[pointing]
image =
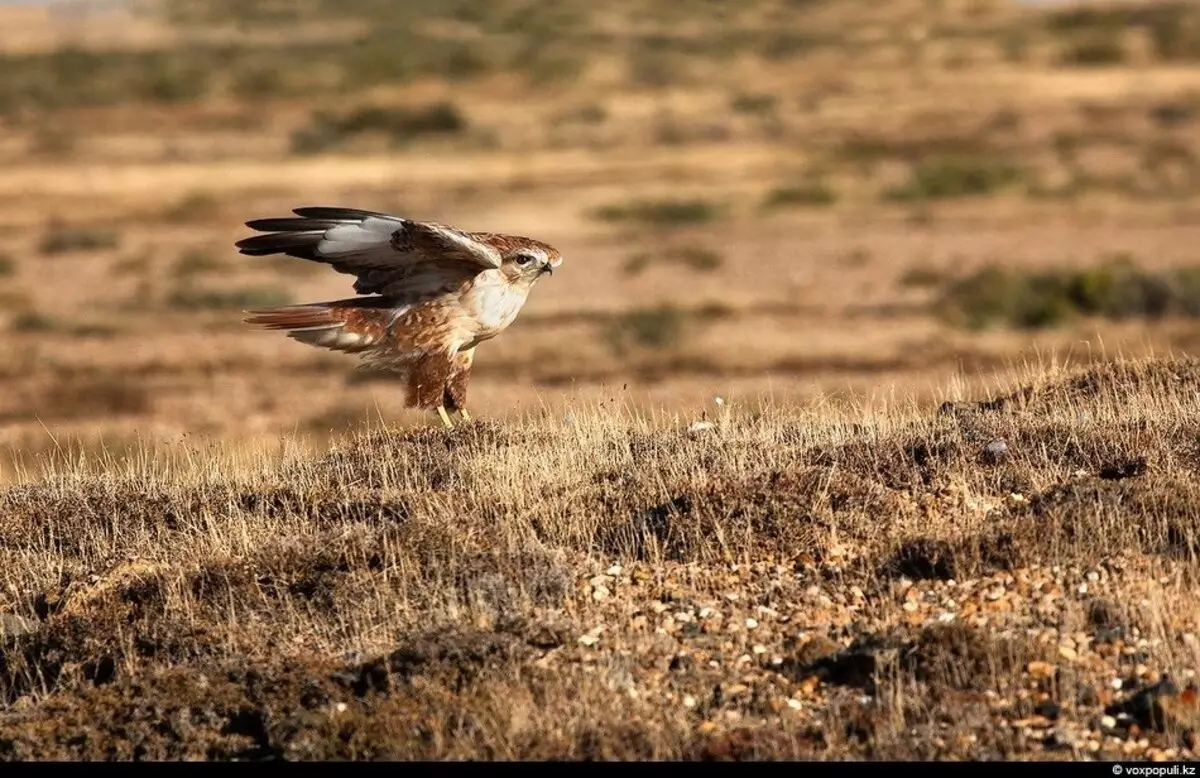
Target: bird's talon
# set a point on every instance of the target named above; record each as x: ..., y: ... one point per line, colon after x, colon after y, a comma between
x: 445, y: 418
x: 462, y: 413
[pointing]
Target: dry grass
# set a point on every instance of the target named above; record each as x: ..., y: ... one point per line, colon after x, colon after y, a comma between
x: 212, y: 546
x: 832, y: 583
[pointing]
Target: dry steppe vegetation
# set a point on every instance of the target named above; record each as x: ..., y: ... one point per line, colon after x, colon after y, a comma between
x: 783, y: 463
x: 1010, y: 578
x: 776, y: 197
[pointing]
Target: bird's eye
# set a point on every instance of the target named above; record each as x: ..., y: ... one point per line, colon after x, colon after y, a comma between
x: 523, y: 259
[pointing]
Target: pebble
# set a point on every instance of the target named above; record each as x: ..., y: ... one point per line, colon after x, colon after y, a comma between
x: 689, y: 701
x: 751, y: 623
x: 614, y: 571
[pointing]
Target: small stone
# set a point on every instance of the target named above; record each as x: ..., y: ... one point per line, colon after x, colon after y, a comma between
x: 614, y: 571
x: 340, y: 707
x: 759, y: 649
x: 995, y: 451
x: 600, y: 593
x: 589, y: 640
x: 794, y: 704
x: 1067, y: 653
x: 751, y: 623
x: 689, y: 701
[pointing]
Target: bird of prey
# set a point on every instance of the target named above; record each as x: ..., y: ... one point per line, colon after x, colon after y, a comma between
x: 430, y: 293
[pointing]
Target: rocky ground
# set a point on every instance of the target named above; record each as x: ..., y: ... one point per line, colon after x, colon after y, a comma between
x: 1013, y: 578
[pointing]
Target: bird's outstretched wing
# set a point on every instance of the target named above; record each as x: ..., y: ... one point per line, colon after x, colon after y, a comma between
x: 390, y: 255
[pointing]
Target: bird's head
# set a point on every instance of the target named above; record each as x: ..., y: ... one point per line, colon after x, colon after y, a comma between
x: 527, y: 260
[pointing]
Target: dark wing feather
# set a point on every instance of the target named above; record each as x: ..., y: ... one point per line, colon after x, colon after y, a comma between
x: 389, y: 255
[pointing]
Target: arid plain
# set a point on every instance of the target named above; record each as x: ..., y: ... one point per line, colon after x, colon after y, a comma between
x: 892, y: 237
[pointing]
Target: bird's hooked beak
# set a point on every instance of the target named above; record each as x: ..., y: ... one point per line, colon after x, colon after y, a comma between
x: 547, y: 269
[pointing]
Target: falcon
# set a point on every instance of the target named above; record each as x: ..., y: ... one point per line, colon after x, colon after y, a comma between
x: 429, y: 293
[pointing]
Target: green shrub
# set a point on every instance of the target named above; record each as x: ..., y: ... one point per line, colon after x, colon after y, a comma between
x: 1117, y: 289
x: 61, y: 238
x: 658, y: 328
x: 753, y: 103
x: 955, y: 176
x: 662, y: 213
x: 694, y: 257
x: 34, y: 321
x: 814, y: 192
x: 397, y: 123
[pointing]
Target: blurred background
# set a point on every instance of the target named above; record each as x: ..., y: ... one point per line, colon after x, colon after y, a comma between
x: 783, y: 199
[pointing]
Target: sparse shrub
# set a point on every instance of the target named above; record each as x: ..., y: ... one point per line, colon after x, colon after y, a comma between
x: 400, y: 124
x: 650, y: 67
x: 857, y: 258
x: 699, y: 258
x: 753, y: 103
x: 637, y: 263
x: 34, y: 321
x: 955, y: 176
x: 195, y: 261
x: 1117, y: 289
x: 194, y: 206
x: 787, y: 44
x: 1174, y: 114
x: 922, y: 276
x: 694, y: 257
x: 815, y: 192
x: 61, y: 238
x: 135, y: 265
x: 95, y: 397
x: 659, y: 327
x: 661, y: 213
x: 258, y: 82
x: 591, y: 113
x: 1095, y: 50
x: 220, y: 299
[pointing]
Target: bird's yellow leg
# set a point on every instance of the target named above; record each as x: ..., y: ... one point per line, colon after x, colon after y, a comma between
x: 445, y: 417
x: 462, y: 414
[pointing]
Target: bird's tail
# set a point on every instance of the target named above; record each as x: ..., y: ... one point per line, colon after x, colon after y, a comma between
x: 342, y: 325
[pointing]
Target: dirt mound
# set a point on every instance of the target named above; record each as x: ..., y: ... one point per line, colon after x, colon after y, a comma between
x: 1118, y: 381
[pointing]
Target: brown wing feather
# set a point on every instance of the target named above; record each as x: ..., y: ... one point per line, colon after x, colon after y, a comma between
x: 344, y: 325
